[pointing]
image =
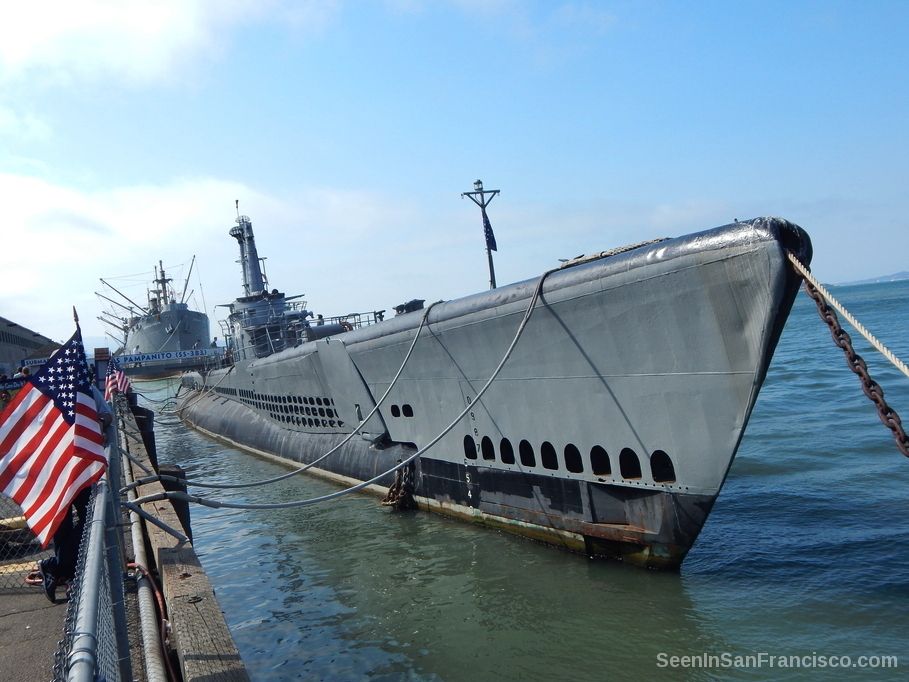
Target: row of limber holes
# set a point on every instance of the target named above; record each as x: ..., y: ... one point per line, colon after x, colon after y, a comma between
x: 661, y: 465
x: 629, y: 464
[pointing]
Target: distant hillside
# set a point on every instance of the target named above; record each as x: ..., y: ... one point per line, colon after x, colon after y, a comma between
x: 895, y: 277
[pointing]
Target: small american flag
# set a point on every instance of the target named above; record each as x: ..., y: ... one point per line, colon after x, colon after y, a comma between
x: 50, y: 440
x: 487, y: 230
x: 116, y: 380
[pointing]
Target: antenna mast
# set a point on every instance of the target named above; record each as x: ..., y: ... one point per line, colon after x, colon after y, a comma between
x: 478, y: 196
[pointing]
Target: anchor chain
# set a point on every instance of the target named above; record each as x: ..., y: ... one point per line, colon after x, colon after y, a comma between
x: 871, y: 388
x: 400, y: 493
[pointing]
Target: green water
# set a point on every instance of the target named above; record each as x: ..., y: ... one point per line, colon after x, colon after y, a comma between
x: 806, y: 554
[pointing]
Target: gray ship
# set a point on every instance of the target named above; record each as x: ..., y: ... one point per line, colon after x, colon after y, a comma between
x: 163, y: 338
x: 597, y: 407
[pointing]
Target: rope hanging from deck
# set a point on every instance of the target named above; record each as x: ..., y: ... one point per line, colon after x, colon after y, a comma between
x: 176, y: 495
x: 319, y: 459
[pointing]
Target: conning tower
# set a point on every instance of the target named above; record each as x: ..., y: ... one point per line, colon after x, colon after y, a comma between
x: 263, y: 322
x: 253, y: 282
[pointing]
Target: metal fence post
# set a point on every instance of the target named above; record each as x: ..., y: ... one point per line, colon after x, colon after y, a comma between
x: 116, y: 557
x: 83, y: 656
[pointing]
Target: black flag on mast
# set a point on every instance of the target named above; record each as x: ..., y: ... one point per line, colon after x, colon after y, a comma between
x: 490, y: 237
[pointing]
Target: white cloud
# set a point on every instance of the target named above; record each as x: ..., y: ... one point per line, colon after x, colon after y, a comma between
x: 132, y: 41
x: 61, y: 240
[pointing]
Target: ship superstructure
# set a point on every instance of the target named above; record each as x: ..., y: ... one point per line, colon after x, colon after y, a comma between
x: 165, y: 336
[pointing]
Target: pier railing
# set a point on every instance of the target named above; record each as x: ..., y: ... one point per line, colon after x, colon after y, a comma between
x: 94, y: 644
x: 276, y: 334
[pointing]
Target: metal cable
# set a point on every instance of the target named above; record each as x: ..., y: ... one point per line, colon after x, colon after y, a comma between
x: 881, y: 348
x: 359, y: 426
x: 148, y: 618
x: 355, y: 488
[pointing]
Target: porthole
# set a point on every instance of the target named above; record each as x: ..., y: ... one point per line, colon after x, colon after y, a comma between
x: 573, y: 459
x: 629, y: 464
x: 525, y: 450
x: 506, y: 452
x: 548, y: 456
x: 599, y: 462
x: 470, y: 447
x: 661, y: 467
x: 487, y: 449
x: 406, y: 410
x: 395, y: 411
x: 318, y: 401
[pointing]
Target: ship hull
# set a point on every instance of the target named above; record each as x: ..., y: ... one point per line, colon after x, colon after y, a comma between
x: 609, y: 430
x: 174, y: 330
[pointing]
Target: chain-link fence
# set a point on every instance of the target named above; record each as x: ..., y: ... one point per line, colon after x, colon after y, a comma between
x: 92, y: 646
x: 20, y: 550
x: 94, y: 642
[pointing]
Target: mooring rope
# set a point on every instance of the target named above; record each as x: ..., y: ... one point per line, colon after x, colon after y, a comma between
x: 355, y: 431
x: 854, y: 361
x: 881, y: 348
x: 206, y: 391
x: 400, y: 465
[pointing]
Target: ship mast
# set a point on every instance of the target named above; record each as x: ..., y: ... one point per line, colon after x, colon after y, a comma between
x: 249, y: 257
x: 125, y: 297
x: 162, y: 282
x: 186, y: 284
x: 478, y: 196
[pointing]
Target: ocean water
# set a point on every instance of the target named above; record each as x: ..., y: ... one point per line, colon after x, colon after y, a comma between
x: 804, y: 560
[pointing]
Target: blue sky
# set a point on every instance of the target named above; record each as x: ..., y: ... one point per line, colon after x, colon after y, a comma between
x: 348, y: 129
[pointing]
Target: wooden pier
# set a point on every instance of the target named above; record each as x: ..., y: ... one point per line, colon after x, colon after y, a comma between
x: 199, y: 633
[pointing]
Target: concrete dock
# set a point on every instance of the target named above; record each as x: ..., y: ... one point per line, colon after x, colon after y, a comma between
x: 30, y: 629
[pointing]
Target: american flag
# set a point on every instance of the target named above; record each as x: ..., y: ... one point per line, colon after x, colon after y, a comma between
x: 116, y: 379
x: 50, y: 440
x: 487, y: 230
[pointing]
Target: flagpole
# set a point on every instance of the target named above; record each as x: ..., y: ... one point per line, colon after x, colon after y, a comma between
x: 483, y: 202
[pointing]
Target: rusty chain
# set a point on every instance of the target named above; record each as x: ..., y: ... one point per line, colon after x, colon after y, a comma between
x: 400, y: 493
x: 872, y: 389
